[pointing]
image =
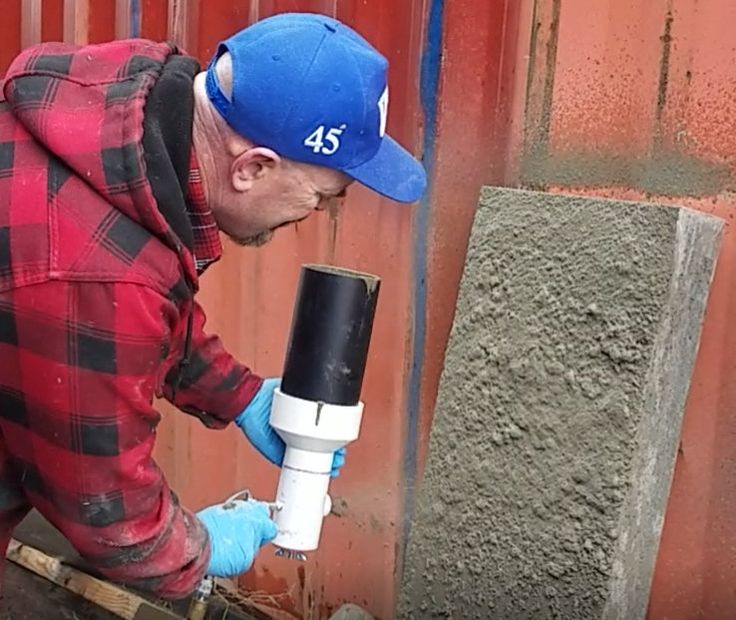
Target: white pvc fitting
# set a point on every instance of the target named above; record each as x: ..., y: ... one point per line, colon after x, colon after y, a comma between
x: 312, y: 432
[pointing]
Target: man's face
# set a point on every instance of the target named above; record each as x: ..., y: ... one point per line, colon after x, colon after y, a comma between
x: 280, y: 194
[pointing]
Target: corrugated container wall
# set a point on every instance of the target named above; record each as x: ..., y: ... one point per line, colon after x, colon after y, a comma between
x: 607, y: 97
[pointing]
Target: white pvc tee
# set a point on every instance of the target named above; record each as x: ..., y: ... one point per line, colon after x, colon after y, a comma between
x: 312, y: 432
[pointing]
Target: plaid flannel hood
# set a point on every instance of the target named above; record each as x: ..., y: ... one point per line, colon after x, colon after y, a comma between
x: 87, y: 109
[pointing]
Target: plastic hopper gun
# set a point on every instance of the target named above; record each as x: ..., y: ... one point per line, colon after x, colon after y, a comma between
x: 317, y: 409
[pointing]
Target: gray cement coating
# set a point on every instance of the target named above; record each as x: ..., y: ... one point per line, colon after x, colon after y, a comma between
x: 560, y: 406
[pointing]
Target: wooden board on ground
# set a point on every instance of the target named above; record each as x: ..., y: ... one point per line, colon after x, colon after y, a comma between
x: 108, y: 596
x: 30, y: 597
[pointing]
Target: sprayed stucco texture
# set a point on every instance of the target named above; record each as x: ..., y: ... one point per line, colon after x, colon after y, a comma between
x: 560, y: 406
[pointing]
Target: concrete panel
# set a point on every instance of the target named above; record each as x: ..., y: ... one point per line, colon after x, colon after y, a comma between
x: 560, y: 407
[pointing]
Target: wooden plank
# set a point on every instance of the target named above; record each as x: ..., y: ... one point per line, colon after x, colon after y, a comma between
x: 26, y: 596
x: 114, y: 599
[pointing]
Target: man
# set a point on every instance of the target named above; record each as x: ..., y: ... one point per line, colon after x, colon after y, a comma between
x: 119, y: 164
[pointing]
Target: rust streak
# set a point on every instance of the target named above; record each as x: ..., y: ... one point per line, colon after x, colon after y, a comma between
x: 536, y: 24
x: 550, y: 67
x: 540, y: 87
x: 664, y: 72
x: 664, y: 64
x: 334, y: 213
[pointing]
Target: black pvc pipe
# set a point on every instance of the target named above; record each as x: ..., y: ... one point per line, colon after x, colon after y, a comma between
x: 330, y: 333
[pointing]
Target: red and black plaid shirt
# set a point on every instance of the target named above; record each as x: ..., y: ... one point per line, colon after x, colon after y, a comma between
x: 96, y: 286
x: 207, y: 245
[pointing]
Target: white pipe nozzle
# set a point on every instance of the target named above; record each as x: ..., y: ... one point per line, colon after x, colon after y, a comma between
x: 312, y: 432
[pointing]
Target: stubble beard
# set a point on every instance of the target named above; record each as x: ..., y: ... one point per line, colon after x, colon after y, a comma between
x: 262, y: 238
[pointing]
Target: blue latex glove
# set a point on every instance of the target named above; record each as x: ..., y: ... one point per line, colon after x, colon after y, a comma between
x: 253, y: 421
x: 236, y: 535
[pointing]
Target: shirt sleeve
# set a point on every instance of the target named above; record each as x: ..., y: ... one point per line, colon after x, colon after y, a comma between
x: 213, y: 386
x: 83, y: 366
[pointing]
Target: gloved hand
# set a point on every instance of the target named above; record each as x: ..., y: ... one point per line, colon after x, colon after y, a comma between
x: 253, y: 421
x: 236, y: 535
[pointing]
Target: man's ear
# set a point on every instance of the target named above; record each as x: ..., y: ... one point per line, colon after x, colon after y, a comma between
x: 253, y: 164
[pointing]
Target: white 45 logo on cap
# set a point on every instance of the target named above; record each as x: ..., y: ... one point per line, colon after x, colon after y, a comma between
x: 323, y: 142
x: 327, y: 141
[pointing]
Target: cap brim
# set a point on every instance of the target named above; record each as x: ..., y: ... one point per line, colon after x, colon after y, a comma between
x: 392, y: 172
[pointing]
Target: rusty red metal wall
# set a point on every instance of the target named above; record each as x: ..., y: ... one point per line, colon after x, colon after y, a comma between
x: 607, y: 97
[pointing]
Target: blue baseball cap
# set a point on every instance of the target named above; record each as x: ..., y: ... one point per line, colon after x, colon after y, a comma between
x: 315, y: 91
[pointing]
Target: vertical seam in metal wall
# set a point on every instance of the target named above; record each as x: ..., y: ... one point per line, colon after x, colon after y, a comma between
x: 429, y: 86
x: 135, y: 19
x: 31, y: 20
